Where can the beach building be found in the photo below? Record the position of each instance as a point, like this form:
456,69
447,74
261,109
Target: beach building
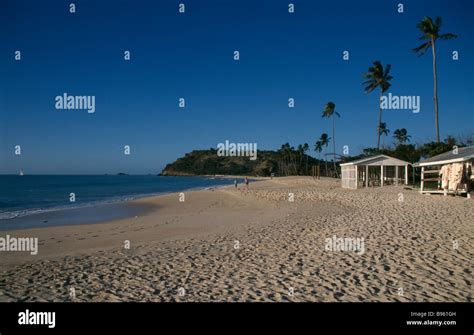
371,171
448,173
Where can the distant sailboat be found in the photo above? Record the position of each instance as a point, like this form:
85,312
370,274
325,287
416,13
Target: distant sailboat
21,172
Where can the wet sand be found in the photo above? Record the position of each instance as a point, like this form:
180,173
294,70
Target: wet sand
75,216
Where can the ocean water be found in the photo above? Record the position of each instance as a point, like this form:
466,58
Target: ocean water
21,196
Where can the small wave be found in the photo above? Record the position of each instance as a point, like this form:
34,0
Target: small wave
25,212
7,215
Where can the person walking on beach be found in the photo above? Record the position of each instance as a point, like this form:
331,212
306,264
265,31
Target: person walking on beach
246,182
235,183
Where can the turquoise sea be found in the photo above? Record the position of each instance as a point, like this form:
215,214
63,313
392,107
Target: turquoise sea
36,200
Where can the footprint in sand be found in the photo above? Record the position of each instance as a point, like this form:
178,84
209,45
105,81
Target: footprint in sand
376,290
338,295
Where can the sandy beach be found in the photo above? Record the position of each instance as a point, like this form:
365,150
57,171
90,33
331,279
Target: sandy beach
229,244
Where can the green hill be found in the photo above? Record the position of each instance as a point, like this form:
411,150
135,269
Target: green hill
206,162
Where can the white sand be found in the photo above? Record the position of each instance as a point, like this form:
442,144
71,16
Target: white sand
281,255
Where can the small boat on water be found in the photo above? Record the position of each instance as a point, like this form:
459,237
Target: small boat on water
21,172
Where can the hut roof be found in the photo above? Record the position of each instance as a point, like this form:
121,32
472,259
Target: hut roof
452,156
377,161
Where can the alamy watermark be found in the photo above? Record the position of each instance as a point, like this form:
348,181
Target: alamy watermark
348,244
9,243
401,102
37,318
229,149
66,101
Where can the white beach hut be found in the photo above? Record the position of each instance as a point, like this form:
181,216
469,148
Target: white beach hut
457,182
377,170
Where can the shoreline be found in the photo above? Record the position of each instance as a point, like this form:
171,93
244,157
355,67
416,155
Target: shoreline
93,213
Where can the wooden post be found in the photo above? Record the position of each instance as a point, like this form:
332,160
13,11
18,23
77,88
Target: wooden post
356,177
422,177
406,175
396,175
468,178
366,176
381,175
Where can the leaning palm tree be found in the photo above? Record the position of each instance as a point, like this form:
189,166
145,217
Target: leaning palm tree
329,112
325,139
401,135
430,31
378,77
383,130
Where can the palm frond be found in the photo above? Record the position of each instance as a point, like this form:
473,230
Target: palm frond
447,36
370,88
426,25
377,76
424,37
369,82
420,50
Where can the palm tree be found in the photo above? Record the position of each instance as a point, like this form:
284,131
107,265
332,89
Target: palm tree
300,156
283,160
430,31
329,112
288,150
378,77
383,129
305,150
318,147
401,135
325,139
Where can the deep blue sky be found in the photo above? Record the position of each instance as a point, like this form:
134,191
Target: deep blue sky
174,55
